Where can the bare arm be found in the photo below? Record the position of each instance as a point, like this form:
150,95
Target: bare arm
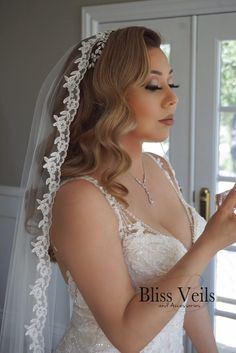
85,232
198,327
153,318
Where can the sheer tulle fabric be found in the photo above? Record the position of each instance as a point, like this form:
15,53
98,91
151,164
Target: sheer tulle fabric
37,305
22,270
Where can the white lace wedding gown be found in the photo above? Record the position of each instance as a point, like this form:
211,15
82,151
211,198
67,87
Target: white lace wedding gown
148,254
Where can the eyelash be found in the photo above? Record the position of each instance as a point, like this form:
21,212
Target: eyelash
154,88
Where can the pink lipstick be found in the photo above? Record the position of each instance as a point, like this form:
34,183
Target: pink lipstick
168,120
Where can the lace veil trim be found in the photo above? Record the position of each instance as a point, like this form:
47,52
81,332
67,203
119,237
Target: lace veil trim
53,166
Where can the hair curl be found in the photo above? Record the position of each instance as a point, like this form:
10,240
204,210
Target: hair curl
104,114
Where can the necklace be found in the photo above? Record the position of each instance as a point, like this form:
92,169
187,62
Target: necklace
144,186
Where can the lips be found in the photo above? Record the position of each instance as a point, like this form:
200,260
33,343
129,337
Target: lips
168,120
169,117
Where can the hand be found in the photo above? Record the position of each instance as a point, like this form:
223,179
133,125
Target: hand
221,227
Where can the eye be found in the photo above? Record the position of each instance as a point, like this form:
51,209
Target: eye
173,86
152,87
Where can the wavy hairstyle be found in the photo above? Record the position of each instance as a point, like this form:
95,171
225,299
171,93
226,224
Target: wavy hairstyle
104,115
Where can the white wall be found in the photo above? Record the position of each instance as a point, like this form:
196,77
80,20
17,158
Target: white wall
9,203
33,37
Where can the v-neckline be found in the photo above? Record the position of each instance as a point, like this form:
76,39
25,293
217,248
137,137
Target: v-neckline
147,226
187,210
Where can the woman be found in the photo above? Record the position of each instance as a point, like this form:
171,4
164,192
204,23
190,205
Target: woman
130,248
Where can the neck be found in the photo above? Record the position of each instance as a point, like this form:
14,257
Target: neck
135,152
137,170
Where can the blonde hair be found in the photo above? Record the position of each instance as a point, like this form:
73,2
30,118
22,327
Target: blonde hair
104,114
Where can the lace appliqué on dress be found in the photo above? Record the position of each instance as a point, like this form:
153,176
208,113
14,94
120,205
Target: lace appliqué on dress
148,255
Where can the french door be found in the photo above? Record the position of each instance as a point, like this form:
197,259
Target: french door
215,154
202,53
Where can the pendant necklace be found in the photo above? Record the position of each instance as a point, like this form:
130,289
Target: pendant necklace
144,186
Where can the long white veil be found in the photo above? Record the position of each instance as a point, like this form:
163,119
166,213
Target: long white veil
18,303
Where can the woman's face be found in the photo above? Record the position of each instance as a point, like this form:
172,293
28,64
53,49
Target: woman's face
153,101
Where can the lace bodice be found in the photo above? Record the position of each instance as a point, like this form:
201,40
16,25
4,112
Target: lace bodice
148,254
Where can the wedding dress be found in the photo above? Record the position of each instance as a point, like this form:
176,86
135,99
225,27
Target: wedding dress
148,254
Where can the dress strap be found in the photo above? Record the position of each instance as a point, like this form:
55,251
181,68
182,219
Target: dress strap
171,177
177,188
110,199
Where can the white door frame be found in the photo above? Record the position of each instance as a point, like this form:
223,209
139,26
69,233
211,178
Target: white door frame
213,29
92,16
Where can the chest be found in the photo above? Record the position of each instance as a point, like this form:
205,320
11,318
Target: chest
169,215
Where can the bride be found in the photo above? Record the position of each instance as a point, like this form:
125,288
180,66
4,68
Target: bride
113,218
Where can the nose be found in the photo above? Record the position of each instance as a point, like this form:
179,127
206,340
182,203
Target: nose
170,98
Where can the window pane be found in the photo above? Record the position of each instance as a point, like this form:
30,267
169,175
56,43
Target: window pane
225,274
228,73
162,149
224,185
225,328
225,334
166,49
231,308
227,147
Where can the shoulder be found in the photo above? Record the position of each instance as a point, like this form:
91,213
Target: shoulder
83,190
80,210
166,164
82,197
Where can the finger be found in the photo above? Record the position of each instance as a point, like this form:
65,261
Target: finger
230,200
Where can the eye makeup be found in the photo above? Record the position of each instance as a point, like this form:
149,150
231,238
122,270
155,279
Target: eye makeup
155,87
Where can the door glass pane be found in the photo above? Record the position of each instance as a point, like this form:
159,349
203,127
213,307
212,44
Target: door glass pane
227,148
225,275
227,110
226,338
228,73
159,148
225,319
224,185
166,49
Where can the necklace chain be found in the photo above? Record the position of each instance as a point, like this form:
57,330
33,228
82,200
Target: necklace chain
152,202
144,186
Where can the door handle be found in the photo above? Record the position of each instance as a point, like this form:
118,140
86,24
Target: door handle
205,200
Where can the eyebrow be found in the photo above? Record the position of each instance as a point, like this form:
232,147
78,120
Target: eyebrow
159,72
